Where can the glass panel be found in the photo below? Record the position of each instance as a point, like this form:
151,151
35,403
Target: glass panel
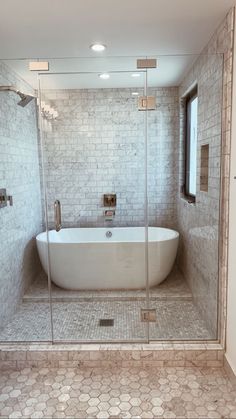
24,316
183,236
94,152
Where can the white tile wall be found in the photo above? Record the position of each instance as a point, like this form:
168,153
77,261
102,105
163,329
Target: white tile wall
97,146
19,174
199,223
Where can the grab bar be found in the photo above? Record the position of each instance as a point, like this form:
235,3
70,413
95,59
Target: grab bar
57,215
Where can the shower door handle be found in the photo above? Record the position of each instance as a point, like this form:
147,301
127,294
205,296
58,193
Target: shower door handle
57,215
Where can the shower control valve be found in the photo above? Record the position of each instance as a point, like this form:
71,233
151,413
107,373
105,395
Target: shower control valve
4,198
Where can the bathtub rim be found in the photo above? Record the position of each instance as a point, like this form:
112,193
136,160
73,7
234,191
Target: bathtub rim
43,236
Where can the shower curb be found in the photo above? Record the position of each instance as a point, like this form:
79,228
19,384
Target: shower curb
20,356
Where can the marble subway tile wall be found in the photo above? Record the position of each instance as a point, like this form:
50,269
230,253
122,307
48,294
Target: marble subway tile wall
19,174
97,146
199,223
162,164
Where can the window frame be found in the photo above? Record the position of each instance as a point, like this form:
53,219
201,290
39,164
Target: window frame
189,98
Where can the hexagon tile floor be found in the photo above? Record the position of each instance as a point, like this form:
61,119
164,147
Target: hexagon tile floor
117,393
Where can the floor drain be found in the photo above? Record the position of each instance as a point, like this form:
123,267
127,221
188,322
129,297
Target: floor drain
106,322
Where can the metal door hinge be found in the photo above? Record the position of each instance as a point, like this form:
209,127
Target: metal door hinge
39,66
147,63
146,103
148,315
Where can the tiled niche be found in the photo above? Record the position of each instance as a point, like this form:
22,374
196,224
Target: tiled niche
204,168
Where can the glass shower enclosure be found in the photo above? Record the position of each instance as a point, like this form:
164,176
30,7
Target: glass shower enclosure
94,151
125,255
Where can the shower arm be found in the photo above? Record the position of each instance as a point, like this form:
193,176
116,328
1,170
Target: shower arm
15,90
9,88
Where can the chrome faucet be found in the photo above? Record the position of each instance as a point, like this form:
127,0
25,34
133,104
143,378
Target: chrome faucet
57,215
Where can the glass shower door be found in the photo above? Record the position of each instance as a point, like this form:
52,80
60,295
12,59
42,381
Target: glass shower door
94,147
184,214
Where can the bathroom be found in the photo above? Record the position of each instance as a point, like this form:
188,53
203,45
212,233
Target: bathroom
114,201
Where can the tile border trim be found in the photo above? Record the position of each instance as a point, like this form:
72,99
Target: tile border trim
122,355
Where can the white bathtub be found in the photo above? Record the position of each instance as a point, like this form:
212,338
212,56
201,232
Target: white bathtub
85,258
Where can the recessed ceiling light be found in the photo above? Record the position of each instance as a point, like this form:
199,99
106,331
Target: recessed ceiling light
135,75
98,47
135,93
104,76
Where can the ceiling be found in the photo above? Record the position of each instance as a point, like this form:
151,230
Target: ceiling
129,28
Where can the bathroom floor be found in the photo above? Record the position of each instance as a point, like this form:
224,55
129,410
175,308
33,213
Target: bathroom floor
76,314
117,393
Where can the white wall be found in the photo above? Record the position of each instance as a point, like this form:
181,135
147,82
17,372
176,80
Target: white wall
231,306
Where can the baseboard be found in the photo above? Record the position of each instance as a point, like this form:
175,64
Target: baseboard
229,371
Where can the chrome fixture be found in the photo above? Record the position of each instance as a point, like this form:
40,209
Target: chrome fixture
108,234
57,215
25,98
4,198
109,200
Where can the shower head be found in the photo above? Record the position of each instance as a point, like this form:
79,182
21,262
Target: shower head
25,99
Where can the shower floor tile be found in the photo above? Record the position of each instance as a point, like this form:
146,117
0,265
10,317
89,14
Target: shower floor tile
174,287
79,321
117,393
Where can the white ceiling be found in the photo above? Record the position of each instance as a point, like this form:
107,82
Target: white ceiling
66,28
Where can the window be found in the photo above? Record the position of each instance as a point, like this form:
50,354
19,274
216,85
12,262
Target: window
190,175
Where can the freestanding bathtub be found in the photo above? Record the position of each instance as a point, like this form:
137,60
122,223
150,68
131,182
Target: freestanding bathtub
108,258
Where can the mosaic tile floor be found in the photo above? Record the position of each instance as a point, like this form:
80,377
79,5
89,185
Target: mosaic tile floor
117,393
80,321
76,315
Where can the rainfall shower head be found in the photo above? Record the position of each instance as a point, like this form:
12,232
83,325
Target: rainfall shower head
25,99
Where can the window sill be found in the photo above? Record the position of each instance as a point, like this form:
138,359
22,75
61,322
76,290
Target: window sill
188,200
